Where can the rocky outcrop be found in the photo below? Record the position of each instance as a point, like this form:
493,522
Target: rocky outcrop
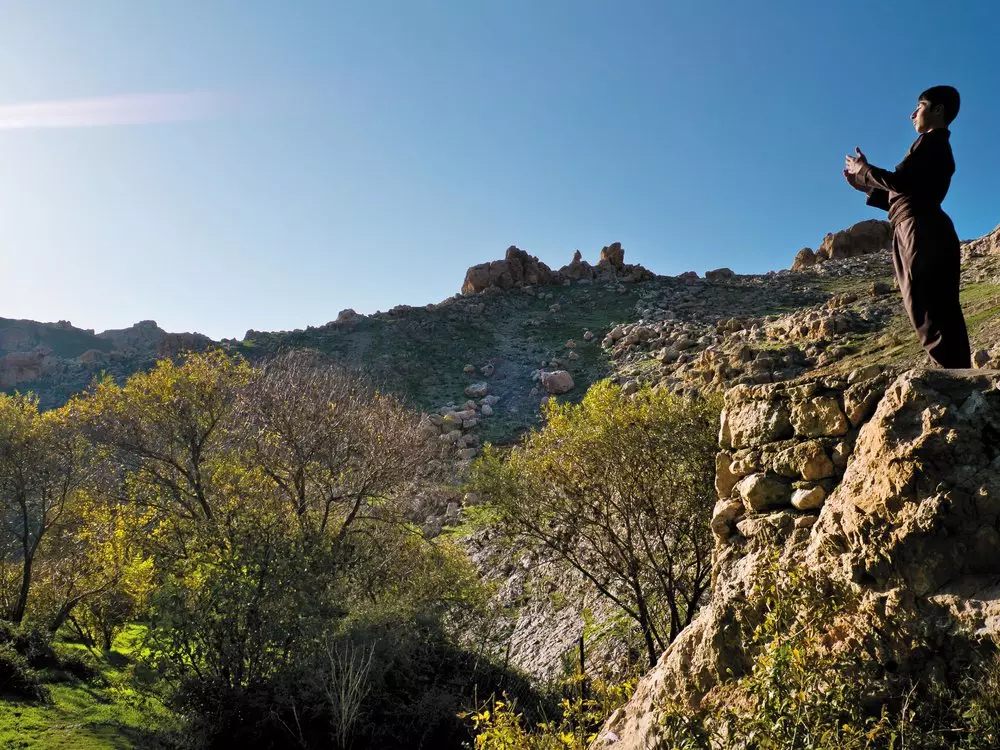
147,336
863,238
23,367
886,482
988,244
804,259
517,269
610,267
719,274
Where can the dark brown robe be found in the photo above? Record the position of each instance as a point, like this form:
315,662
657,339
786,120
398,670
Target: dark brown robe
925,247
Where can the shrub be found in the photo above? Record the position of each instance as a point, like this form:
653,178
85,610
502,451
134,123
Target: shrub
17,678
823,679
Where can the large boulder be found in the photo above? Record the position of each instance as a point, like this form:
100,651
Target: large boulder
517,269
578,268
804,259
557,381
862,238
988,244
719,274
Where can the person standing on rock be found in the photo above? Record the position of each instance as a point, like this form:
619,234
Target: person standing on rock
925,247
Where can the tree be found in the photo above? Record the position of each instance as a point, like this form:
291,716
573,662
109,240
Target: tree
334,448
41,465
621,489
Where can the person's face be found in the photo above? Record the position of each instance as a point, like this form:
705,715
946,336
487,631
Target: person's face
925,117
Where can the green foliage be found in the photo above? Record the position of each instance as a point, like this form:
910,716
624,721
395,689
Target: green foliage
587,703
620,488
819,681
17,678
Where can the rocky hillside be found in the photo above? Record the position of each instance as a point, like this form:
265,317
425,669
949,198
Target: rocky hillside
888,482
56,360
518,321
480,363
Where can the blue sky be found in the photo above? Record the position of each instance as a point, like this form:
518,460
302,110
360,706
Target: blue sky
367,153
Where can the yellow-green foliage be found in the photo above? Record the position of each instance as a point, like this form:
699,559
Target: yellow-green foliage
620,488
817,682
499,726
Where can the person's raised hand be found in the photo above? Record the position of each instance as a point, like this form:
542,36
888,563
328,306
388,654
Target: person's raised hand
854,164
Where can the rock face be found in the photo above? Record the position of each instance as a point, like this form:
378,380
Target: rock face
986,245
557,382
863,238
719,274
518,268
907,513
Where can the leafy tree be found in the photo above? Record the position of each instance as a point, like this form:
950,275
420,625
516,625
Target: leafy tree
41,465
620,488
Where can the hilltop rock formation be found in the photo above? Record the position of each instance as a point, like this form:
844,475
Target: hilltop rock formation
897,478
863,238
988,244
610,267
519,269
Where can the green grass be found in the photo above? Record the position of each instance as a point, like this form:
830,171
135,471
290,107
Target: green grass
118,710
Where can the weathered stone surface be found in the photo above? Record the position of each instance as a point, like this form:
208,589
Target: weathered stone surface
477,390
861,399
558,381
807,460
725,480
808,499
913,525
724,516
818,417
754,423
518,268
763,491
719,274
805,258
862,238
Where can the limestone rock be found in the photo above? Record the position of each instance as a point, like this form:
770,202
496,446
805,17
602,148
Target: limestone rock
724,515
754,423
808,499
912,526
804,259
807,460
725,480
558,381
860,239
517,269
818,417
719,274
477,390
762,491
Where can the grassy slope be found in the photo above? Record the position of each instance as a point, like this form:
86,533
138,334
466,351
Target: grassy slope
118,710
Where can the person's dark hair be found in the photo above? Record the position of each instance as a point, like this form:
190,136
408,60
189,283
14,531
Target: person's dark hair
945,95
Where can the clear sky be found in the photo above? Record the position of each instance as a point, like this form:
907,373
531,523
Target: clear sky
264,165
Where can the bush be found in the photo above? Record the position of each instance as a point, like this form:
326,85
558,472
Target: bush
17,678
809,689
587,703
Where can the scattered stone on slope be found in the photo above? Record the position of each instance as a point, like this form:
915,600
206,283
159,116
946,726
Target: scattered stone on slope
556,382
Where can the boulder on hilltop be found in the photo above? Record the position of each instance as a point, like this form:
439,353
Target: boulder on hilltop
519,269
863,238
